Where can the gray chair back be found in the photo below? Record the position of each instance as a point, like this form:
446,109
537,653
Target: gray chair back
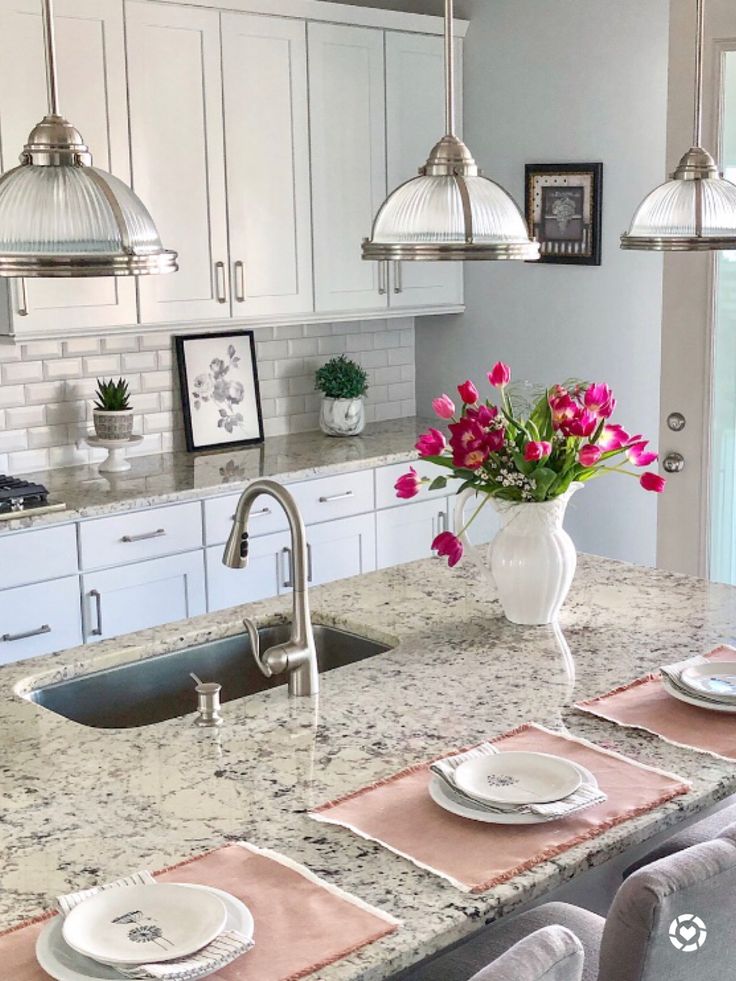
673,920
553,953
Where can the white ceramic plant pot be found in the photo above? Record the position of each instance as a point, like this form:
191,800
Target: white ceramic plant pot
342,417
113,425
532,558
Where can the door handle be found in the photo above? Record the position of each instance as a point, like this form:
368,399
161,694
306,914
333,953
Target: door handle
220,285
335,497
239,280
98,610
289,581
674,463
22,298
144,537
382,278
43,629
309,562
442,521
398,277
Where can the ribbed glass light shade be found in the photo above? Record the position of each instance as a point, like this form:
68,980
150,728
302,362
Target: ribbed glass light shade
449,217
685,215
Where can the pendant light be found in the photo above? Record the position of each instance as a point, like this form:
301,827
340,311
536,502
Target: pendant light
696,210
62,217
449,212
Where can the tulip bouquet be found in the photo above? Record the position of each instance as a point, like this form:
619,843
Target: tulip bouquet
565,438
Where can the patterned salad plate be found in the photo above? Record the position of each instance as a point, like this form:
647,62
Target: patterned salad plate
518,778
144,924
717,680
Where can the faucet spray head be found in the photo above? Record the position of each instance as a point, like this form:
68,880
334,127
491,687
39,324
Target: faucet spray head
235,555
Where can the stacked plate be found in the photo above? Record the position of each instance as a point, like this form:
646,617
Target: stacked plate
513,788
117,931
709,685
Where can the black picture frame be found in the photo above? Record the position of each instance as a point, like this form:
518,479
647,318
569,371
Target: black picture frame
572,237
218,387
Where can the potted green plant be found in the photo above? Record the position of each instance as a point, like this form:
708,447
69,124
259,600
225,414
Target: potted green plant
343,384
113,413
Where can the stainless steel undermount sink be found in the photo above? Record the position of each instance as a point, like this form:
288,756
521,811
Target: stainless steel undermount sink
143,692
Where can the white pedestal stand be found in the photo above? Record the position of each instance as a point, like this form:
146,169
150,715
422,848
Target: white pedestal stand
117,449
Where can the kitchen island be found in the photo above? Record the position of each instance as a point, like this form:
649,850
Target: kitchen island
82,805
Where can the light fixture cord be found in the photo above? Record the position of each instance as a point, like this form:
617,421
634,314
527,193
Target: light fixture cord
449,71
52,85
698,115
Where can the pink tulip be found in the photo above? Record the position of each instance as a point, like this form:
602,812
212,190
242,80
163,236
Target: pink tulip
444,407
582,425
651,481
471,443
599,400
563,409
468,392
589,455
482,414
450,545
537,450
408,484
639,455
431,443
613,437
500,375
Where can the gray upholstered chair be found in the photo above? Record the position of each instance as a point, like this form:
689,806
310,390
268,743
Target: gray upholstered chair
634,943
700,831
550,954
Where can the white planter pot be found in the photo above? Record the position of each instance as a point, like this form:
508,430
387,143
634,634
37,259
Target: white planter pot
342,417
113,425
532,558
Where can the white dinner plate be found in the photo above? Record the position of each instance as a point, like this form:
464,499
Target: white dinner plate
701,703
716,680
518,778
58,959
442,794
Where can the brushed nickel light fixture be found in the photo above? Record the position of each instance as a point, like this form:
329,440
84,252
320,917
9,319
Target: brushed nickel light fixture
62,217
695,211
450,212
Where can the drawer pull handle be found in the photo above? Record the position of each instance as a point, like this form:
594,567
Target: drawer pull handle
335,497
220,287
22,298
44,629
398,277
442,521
382,277
158,533
289,581
255,514
239,271
98,610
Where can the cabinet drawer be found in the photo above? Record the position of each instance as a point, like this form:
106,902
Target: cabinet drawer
386,477
39,619
266,516
334,497
140,535
29,556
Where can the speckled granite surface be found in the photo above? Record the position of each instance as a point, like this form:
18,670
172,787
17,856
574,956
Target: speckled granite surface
171,477
79,805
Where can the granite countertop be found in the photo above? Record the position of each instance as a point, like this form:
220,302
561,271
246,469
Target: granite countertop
170,477
82,805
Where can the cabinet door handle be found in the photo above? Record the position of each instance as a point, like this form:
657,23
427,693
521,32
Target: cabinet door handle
98,610
255,514
158,533
382,278
239,277
398,277
309,562
289,581
22,298
220,285
442,520
335,497
43,629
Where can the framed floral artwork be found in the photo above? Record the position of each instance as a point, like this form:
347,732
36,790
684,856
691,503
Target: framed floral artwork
220,398
563,211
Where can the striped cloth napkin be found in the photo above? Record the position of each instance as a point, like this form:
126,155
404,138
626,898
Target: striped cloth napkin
224,949
673,674
585,796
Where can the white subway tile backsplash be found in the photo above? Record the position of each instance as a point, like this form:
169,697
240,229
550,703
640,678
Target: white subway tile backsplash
47,387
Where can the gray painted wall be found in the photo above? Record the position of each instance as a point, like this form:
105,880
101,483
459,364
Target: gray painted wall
566,81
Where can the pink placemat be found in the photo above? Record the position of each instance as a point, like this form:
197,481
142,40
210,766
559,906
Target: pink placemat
302,923
399,813
645,704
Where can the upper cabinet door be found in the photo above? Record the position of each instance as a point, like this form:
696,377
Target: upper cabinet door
264,63
348,140
415,120
91,66
175,94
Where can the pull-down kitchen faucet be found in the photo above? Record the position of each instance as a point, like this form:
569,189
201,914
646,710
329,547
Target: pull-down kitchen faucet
297,655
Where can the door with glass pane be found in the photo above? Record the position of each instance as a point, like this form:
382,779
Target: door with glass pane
697,512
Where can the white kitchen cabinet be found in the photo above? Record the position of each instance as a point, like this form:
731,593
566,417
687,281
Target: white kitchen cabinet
348,147
386,478
38,554
264,66
92,91
404,534
39,619
141,595
414,122
176,131
340,549
267,573
139,535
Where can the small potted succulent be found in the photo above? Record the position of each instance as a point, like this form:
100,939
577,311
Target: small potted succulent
343,384
113,414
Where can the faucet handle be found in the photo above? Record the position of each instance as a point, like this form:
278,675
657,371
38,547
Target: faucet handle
255,644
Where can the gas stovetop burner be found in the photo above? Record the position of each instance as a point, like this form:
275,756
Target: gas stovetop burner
18,495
